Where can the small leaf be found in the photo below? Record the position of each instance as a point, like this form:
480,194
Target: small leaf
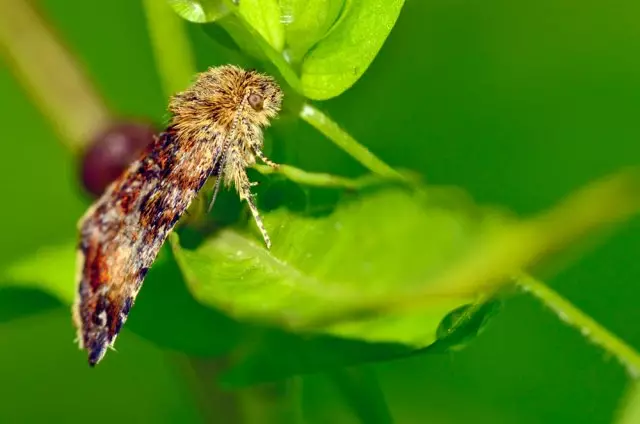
200,11
306,22
377,246
341,58
463,324
264,16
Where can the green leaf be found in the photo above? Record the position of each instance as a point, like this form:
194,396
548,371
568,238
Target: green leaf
242,34
264,16
384,244
306,22
50,268
200,11
341,58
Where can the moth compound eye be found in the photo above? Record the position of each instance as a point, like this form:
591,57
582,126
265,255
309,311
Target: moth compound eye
256,101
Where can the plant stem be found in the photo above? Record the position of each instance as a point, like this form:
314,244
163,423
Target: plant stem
213,402
589,328
301,176
271,403
171,46
265,403
50,74
361,391
342,139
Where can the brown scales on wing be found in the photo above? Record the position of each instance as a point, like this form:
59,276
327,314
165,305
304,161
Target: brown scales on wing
216,123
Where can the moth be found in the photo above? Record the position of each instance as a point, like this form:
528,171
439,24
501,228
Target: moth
215,129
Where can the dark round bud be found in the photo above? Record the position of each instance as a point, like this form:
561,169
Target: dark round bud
256,101
112,151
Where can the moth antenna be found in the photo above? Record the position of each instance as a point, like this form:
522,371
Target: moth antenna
216,188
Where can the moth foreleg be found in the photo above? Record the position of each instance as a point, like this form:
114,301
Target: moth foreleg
245,193
263,158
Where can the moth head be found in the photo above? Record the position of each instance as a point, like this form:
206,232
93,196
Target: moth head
218,94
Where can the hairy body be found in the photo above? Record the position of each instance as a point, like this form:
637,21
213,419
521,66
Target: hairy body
216,128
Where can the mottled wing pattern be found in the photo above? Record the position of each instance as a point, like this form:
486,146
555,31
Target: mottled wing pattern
123,232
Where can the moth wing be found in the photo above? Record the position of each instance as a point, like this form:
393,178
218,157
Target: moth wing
122,233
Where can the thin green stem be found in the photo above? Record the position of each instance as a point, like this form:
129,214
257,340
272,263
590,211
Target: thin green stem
50,74
213,402
301,176
277,402
361,391
342,139
171,46
587,326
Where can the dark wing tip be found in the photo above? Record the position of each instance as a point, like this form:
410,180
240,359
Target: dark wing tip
97,349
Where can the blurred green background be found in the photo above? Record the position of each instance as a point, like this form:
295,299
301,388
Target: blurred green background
518,103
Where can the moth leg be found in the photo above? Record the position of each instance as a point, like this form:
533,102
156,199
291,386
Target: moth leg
245,193
263,158
258,219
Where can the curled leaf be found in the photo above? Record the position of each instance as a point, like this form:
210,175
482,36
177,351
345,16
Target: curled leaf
341,58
